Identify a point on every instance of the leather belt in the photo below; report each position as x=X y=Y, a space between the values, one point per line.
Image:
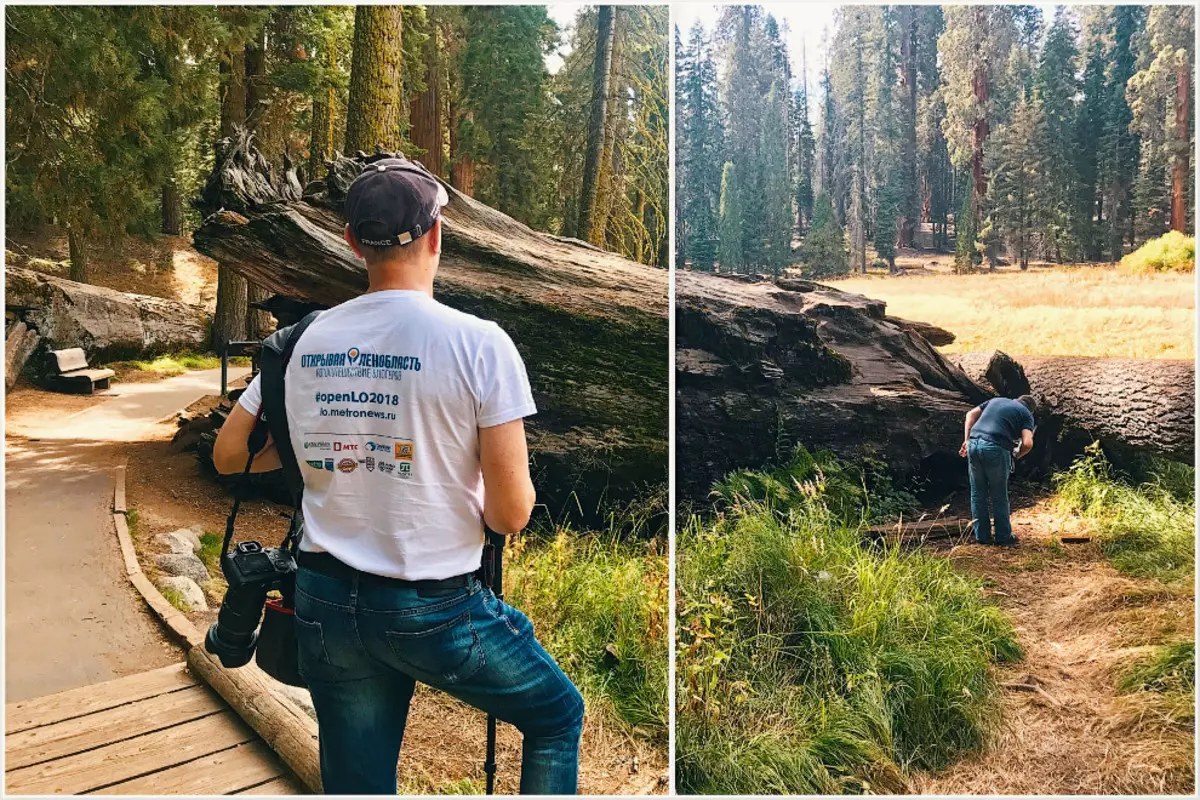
x=326 y=564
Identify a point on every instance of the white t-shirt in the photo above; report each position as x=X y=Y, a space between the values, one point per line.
x=385 y=396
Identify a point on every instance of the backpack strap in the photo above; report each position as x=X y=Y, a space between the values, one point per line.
x=276 y=353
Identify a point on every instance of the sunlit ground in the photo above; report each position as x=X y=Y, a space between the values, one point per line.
x=1084 y=310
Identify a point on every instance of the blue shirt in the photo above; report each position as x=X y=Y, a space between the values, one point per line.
x=1002 y=421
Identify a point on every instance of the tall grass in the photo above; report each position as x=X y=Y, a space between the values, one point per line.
x=1146 y=527
x=1162 y=686
x=598 y=601
x=811 y=662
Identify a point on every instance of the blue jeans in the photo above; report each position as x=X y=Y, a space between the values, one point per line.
x=363 y=646
x=989 y=466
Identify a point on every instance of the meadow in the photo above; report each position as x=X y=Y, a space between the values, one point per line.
x=1083 y=310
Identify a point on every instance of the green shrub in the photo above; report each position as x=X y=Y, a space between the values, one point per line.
x=1171 y=252
x=812 y=662
x=1147 y=529
x=599 y=604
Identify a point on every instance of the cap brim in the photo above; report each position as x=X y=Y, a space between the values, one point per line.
x=443 y=198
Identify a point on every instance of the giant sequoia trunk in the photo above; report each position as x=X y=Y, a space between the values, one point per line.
x=374 y=110
x=591 y=326
x=761 y=367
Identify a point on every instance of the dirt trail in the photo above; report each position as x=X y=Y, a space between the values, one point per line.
x=1080 y=623
x=72 y=618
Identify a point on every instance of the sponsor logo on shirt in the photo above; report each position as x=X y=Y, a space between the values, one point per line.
x=317 y=445
x=347 y=465
x=382 y=447
x=315 y=464
x=386 y=466
x=404 y=469
x=329 y=464
x=404 y=451
x=355 y=363
x=339 y=446
x=370 y=462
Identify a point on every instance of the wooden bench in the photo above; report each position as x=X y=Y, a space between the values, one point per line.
x=72 y=374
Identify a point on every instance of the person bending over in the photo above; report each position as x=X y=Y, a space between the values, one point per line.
x=996 y=431
x=406 y=417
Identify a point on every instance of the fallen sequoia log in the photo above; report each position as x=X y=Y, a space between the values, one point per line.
x=590 y=325
x=761 y=367
x=1130 y=405
x=106 y=323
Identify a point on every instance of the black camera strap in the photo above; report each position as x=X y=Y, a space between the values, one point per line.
x=271 y=383
x=255 y=444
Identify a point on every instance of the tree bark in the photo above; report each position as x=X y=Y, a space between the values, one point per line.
x=233 y=92
x=324 y=112
x=172 y=208
x=1131 y=405
x=426 y=118
x=229 y=320
x=1183 y=149
x=462 y=165
x=597 y=122
x=256 y=88
x=77 y=250
x=373 y=116
x=590 y=325
x=911 y=211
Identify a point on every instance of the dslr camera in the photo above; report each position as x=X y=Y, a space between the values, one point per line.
x=252 y=573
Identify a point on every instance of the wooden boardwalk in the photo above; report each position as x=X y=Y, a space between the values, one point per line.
x=154 y=733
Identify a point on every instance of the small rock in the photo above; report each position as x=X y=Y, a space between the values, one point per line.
x=188 y=589
x=185 y=564
x=179 y=541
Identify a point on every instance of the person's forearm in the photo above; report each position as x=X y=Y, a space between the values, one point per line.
x=509 y=514
x=970 y=423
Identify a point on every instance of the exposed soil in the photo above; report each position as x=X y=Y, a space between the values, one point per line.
x=168 y=267
x=1080 y=623
x=444 y=740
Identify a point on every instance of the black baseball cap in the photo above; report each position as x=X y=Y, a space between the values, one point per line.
x=393 y=201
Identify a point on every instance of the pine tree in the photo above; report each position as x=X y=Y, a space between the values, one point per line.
x=1018 y=173
x=806 y=147
x=1056 y=86
x=503 y=57
x=824 y=251
x=730 y=255
x=698 y=148
x=777 y=221
x=1119 y=146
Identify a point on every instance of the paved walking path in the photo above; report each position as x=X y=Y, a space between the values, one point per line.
x=71 y=616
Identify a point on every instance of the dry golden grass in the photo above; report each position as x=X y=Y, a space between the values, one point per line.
x=1083 y=311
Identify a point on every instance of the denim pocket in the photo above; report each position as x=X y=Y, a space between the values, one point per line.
x=450 y=652
x=313 y=656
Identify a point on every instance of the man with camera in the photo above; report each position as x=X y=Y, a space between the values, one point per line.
x=406 y=418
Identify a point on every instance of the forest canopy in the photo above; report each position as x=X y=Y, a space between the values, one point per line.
x=995 y=132
x=112 y=111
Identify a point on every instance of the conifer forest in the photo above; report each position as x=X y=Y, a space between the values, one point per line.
x=1001 y=134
